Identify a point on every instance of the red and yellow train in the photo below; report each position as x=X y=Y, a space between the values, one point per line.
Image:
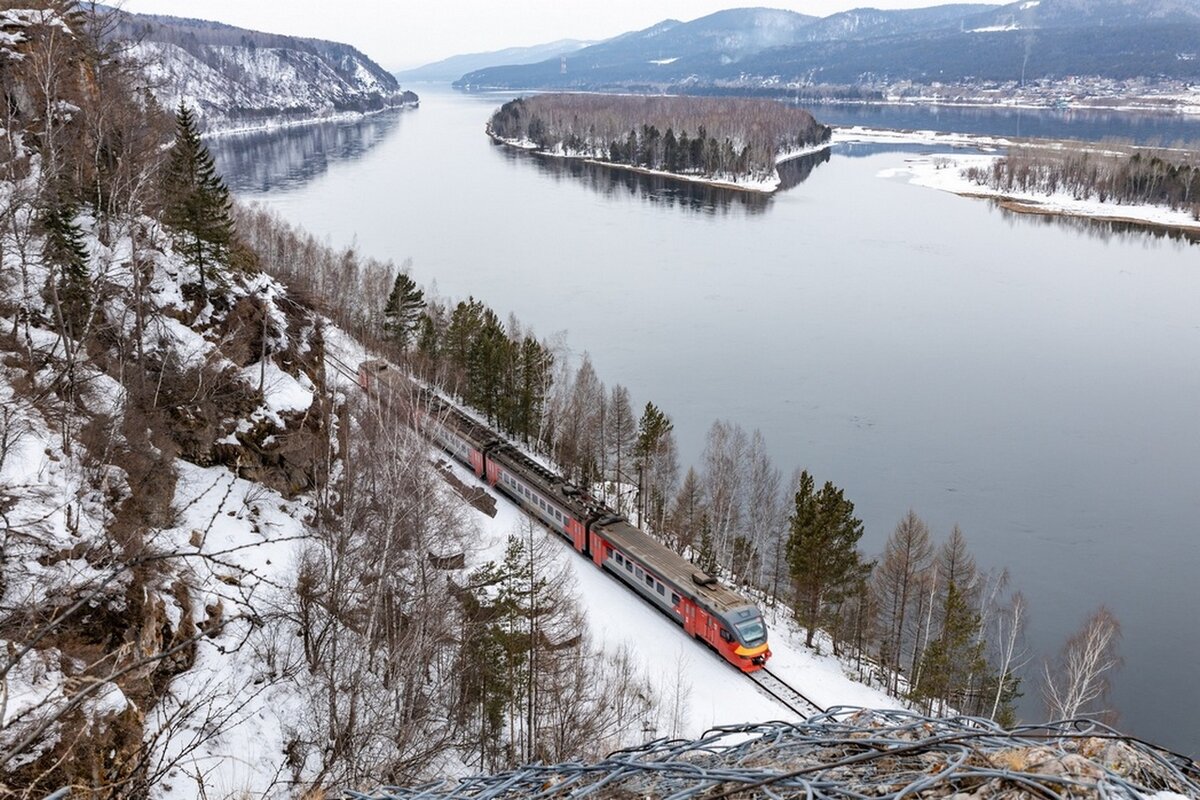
x=707 y=610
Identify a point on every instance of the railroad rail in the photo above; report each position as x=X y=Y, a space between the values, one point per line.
x=768 y=682
x=783 y=692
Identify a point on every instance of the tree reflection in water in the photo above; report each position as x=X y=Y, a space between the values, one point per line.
x=283 y=158
x=702 y=197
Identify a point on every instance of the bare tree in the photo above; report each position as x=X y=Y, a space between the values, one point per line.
x=1079 y=681
x=906 y=555
x=1009 y=655
x=725 y=455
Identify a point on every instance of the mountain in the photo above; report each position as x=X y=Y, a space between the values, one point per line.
x=1028 y=14
x=866 y=23
x=748 y=49
x=449 y=69
x=233 y=76
x=664 y=49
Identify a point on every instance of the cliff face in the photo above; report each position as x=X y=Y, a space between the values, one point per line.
x=235 y=77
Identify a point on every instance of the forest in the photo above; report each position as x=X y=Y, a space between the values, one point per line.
x=1117 y=174
x=729 y=139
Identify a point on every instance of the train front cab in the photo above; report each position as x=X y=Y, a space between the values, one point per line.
x=740 y=635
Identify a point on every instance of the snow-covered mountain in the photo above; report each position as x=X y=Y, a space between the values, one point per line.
x=754 y=48
x=235 y=77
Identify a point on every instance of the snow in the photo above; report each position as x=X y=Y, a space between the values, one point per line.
x=715 y=691
x=284 y=86
x=996 y=28
x=1030 y=4
x=664 y=61
x=946 y=173
x=281 y=392
x=250 y=533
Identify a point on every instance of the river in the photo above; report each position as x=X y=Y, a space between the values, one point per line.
x=1034 y=381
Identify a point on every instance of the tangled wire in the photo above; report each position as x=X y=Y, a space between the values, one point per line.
x=853 y=753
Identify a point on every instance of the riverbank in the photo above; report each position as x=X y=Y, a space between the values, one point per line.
x=764 y=185
x=277 y=123
x=948 y=174
x=1183 y=104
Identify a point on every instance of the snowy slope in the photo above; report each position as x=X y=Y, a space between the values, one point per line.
x=234 y=76
x=715 y=692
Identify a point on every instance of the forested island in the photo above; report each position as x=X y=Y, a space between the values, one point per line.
x=1167 y=178
x=725 y=140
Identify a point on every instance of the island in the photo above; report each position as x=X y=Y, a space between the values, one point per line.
x=726 y=141
x=1152 y=188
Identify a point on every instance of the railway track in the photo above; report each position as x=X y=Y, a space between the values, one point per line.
x=770 y=683
x=780 y=690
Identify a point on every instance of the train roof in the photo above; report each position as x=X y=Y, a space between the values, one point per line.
x=686 y=577
x=672 y=567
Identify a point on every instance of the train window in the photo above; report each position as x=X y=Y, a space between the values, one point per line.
x=629 y=565
x=661 y=590
x=674 y=599
x=620 y=558
x=725 y=635
x=650 y=581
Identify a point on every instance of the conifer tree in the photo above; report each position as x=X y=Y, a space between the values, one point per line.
x=403 y=310
x=654 y=431
x=956 y=656
x=197 y=205
x=822 y=550
x=64 y=252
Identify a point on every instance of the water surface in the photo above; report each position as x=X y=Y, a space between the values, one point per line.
x=1035 y=382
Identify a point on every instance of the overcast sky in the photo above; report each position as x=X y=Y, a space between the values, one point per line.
x=408 y=33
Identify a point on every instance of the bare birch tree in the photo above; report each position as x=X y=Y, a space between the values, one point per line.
x=1078 y=682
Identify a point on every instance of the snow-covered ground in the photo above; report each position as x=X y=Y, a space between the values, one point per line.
x=947 y=174
x=716 y=693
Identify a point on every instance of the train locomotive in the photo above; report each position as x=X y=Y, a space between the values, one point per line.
x=707 y=610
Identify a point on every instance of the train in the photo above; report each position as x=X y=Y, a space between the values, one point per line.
x=706 y=609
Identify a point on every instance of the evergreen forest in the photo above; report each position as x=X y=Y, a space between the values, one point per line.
x=712 y=137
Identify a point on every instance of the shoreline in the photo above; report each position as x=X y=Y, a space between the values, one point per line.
x=763 y=187
x=1129 y=105
x=945 y=173
x=299 y=122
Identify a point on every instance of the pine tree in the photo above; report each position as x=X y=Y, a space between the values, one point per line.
x=403 y=310
x=654 y=429
x=65 y=252
x=822 y=550
x=956 y=656
x=197 y=205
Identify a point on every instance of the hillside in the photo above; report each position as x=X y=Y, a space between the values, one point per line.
x=235 y=77
x=754 y=49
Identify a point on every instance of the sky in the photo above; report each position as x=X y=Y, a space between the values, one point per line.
x=408 y=33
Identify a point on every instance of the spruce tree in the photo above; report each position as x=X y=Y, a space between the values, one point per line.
x=822 y=550
x=956 y=656
x=403 y=310
x=65 y=253
x=197 y=205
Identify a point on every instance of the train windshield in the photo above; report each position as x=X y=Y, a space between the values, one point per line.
x=752 y=631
